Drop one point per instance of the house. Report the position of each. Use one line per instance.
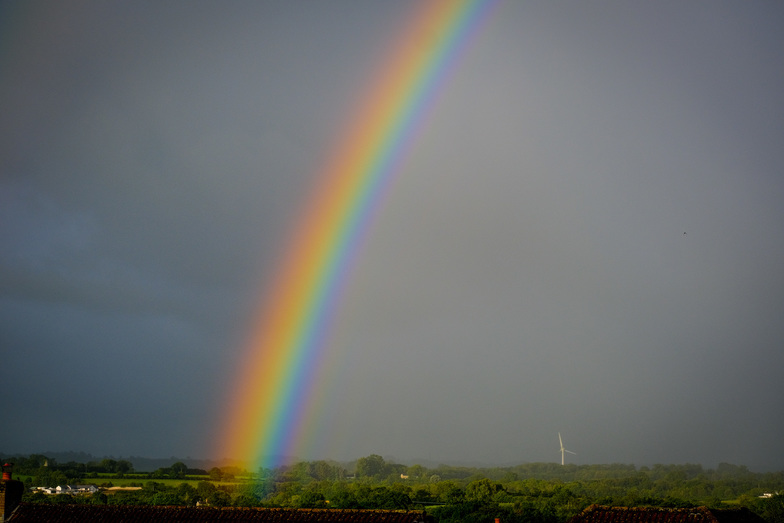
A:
(604, 514)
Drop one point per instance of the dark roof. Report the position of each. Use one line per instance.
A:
(602, 514)
(27, 512)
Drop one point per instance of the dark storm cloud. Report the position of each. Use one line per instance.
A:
(527, 274)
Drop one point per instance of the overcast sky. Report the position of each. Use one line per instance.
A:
(588, 237)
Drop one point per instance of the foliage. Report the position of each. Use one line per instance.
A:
(528, 493)
(372, 466)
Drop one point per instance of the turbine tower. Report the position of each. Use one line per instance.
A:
(563, 449)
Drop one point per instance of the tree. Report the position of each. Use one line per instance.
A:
(108, 465)
(187, 493)
(481, 491)
(421, 495)
(177, 471)
(448, 492)
(216, 474)
(416, 472)
(123, 466)
(167, 498)
(246, 500)
(371, 466)
(204, 489)
(773, 509)
(219, 499)
(154, 486)
(341, 497)
(323, 470)
(311, 499)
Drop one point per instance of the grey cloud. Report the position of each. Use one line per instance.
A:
(527, 272)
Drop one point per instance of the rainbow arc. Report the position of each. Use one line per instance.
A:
(286, 352)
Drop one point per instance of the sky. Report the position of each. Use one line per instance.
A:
(587, 236)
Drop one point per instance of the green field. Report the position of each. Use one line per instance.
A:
(141, 481)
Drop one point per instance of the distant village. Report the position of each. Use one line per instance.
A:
(75, 490)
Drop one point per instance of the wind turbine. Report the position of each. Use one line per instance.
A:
(563, 449)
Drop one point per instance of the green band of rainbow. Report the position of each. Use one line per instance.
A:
(275, 391)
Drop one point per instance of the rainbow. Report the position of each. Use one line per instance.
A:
(275, 389)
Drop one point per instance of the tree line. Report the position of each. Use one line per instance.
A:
(530, 493)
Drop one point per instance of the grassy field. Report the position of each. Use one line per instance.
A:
(127, 482)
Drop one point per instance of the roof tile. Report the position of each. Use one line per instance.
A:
(605, 514)
(28, 513)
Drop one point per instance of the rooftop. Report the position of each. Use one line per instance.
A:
(27, 512)
(604, 514)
